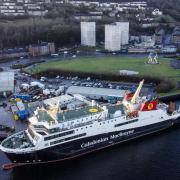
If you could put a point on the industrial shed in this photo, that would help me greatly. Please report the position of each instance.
(6, 82)
(95, 93)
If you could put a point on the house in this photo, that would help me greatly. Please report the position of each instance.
(13, 53)
(87, 16)
(159, 36)
(157, 12)
(176, 35)
(169, 49)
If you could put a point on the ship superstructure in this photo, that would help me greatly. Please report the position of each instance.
(55, 135)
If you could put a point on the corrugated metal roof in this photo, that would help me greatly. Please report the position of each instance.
(94, 91)
(7, 81)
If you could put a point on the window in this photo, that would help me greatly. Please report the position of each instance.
(41, 132)
(67, 139)
(58, 135)
(31, 133)
(38, 126)
(54, 130)
(124, 123)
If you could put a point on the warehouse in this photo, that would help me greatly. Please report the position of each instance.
(95, 93)
(6, 82)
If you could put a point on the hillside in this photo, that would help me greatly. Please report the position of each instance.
(170, 7)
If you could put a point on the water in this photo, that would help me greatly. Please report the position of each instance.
(155, 157)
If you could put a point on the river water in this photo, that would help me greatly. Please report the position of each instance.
(154, 157)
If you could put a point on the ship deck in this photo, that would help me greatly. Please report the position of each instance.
(78, 113)
(19, 140)
(64, 116)
(113, 108)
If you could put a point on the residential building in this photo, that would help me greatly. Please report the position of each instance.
(112, 38)
(13, 53)
(87, 16)
(159, 36)
(41, 49)
(176, 35)
(88, 33)
(124, 28)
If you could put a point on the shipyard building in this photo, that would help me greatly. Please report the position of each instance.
(96, 93)
(6, 82)
(112, 38)
(88, 33)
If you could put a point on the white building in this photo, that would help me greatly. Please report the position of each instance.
(95, 93)
(64, 99)
(6, 82)
(112, 38)
(157, 12)
(169, 49)
(88, 33)
(124, 28)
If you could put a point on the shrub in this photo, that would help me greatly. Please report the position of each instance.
(165, 86)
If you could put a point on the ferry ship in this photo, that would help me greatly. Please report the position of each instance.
(55, 135)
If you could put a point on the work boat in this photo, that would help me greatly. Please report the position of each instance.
(56, 135)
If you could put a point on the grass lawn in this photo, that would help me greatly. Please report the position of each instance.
(110, 65)
(172, 92)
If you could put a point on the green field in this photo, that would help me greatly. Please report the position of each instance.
(110, 65)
